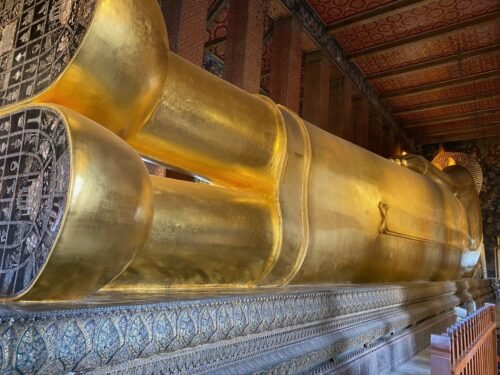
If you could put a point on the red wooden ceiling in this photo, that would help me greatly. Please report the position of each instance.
(334, 10)
(452, 109)
(446, 44)
(445, 93)
(442, 73)
(431, 60)
(407, 21)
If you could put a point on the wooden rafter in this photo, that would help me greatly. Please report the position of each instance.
(454, 124)
(441, 84)
(425, 35)
(478, 133)
(443, 119)
(215, 42)
(431, 63)
(363, 16)
(437, 131)
(446, 103)
(430, 141)
(479, 79)
(313, 25)
(484, 129)
(218, 5)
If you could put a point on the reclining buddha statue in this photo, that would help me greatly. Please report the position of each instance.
(87, 87)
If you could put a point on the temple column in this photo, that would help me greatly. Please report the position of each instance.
(376, 133)
(186, 23)
(360, 121)
(286, 63)
(397, 148)
(388, 141)
(242, 64)
(316, 97)
(340, 106)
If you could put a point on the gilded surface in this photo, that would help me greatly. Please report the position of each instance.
(293, 204)
(55, 177)
(231, 231)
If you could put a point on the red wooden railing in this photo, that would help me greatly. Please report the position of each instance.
(469, 347)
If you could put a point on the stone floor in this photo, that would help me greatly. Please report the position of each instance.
(418, 365)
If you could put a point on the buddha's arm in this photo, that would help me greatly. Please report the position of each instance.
(459, 181)
(421, 165)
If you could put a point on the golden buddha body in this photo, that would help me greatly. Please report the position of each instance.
(288, 204)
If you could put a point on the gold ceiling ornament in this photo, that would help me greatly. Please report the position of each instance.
(293, 204)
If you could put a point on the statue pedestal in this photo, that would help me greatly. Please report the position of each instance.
(344, 328)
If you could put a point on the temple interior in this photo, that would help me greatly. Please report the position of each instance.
(249, 186)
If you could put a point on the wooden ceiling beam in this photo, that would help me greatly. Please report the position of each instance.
(363, 16)
(457, 137)
(451, 125)
(443, 119)
(446, 103)
(218, 5)
(478, 129)
(425, 35)
(313, 24)
(440, 85)
(431, 63)
(215, 42)
(437, 131)
(438, 140)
